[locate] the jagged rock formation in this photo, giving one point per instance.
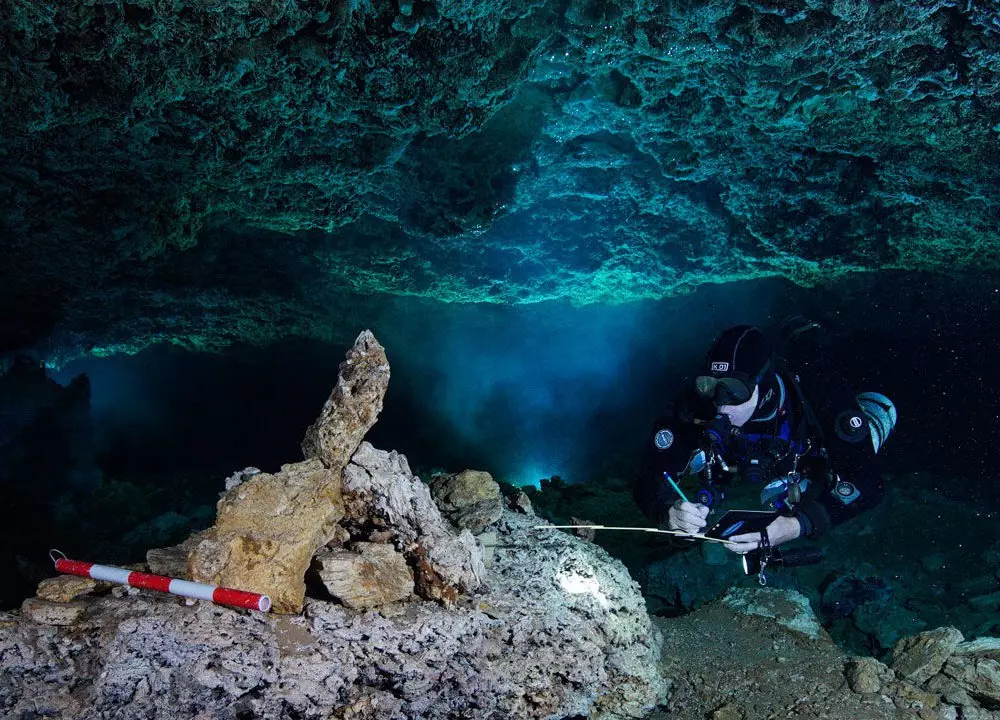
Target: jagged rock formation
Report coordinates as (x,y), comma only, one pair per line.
(560,630)
(382,493)
(353,405)
(204,155)
(268,527)
(555,628)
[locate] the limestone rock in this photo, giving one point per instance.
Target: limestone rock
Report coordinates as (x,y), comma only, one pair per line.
(368,575)
(950,690)
(561,632)
(353,405)
(585,532)
(790,607)
(447,565)
(488,543)
(947,712)
(380,490)
(914,701)
(522,503)
(172,561)
(241,476)
(984,647)
(469,499)
(267,530)
(269,526)
(53,613)
(867,675)
(65,588)
(980,678)
(921,656)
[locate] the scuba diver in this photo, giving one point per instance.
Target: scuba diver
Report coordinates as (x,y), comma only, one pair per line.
(803,439)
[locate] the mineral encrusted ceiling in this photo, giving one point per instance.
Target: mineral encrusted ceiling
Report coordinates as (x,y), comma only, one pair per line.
(209,172)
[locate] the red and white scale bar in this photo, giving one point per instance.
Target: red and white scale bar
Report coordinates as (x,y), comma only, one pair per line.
(184,588)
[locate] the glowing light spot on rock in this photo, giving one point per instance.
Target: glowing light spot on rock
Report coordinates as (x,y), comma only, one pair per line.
(576,584)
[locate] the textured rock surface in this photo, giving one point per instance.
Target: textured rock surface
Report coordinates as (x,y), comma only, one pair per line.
(47,612)
(980,678)
(269,526)
(867,675)
(380,490)
(728,659)
(789,607)
(562,631)
(66,587)
(431,149)
(353,405)
(368,575)
(920,657)
(267,530)
(984,647)
(172,561)
(721,659)
(469,499)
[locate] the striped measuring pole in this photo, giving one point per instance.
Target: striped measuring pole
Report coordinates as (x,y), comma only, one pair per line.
(147,581)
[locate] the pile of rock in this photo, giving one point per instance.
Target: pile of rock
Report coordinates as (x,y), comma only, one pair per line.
(936,674)
(403,618)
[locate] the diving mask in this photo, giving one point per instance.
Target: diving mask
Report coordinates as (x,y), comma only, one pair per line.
(733,389)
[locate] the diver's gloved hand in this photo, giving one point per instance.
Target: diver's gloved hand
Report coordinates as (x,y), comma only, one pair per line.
(687,517)
(781,530)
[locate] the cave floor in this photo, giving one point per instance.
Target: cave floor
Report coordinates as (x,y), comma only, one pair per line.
(729,666)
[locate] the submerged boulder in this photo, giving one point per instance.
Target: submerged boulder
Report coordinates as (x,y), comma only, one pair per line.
(560,631)
(922,656)
(555,628)
(867,675)
(469,499)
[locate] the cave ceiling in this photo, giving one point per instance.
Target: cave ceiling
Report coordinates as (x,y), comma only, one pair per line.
(226,171)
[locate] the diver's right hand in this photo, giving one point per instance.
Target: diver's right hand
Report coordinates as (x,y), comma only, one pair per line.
(687,517)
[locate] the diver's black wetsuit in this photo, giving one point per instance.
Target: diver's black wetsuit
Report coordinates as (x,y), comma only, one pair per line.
(817,418)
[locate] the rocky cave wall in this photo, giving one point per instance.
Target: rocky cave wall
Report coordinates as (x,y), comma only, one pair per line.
(205,173)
